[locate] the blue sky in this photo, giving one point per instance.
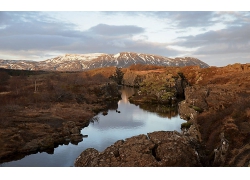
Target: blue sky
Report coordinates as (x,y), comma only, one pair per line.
(215,37)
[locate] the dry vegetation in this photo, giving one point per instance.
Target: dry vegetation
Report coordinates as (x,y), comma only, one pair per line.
(38,109)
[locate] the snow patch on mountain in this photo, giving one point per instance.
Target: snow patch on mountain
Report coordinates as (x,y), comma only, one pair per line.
(117,55)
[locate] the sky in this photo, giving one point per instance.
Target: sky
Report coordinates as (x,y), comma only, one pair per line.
(217,37)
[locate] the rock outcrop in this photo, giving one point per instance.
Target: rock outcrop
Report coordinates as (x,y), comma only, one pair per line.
(132,79)
(155,149)
(156,86)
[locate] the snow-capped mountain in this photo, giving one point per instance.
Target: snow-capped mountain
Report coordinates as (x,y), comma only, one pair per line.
(79,62)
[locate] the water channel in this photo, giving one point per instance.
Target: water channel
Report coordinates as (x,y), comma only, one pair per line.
(106,130)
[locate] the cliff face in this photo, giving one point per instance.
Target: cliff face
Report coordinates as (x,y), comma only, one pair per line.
(223,96)
(161,86)
(133,79)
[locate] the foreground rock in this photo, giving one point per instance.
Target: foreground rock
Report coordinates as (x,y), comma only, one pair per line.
(157,149)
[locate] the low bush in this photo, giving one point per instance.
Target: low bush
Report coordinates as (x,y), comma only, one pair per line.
(196,108)
(186,125)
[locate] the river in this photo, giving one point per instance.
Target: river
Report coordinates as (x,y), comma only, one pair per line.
(103,131)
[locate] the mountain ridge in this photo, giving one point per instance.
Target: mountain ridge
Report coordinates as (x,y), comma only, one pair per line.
(80,62)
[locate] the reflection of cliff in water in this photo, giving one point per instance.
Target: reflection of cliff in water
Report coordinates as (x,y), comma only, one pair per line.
(161,110)
(126,93)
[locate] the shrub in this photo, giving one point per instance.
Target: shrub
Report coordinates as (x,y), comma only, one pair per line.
(198,109)
(186,125)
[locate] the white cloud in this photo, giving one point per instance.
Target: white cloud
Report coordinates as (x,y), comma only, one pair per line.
(198,34)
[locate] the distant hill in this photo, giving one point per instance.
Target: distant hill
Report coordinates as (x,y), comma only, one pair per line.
(80,62)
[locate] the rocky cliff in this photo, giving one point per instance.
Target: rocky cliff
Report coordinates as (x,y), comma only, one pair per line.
(217,102)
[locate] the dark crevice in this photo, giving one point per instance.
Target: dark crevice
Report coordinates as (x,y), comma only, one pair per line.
(201,150)
(154,153)
(116,153)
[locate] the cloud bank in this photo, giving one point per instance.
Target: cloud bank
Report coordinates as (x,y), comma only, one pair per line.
(218,38)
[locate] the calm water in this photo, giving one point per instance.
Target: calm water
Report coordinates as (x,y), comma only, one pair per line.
(105,130)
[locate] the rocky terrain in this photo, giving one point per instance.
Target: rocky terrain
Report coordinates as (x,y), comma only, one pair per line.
(157,149)
(221,95)
(80,62)
(217,132)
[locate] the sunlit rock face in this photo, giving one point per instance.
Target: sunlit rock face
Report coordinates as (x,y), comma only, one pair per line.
(161,148)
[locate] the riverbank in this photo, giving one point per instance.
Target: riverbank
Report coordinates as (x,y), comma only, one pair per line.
(37,117)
